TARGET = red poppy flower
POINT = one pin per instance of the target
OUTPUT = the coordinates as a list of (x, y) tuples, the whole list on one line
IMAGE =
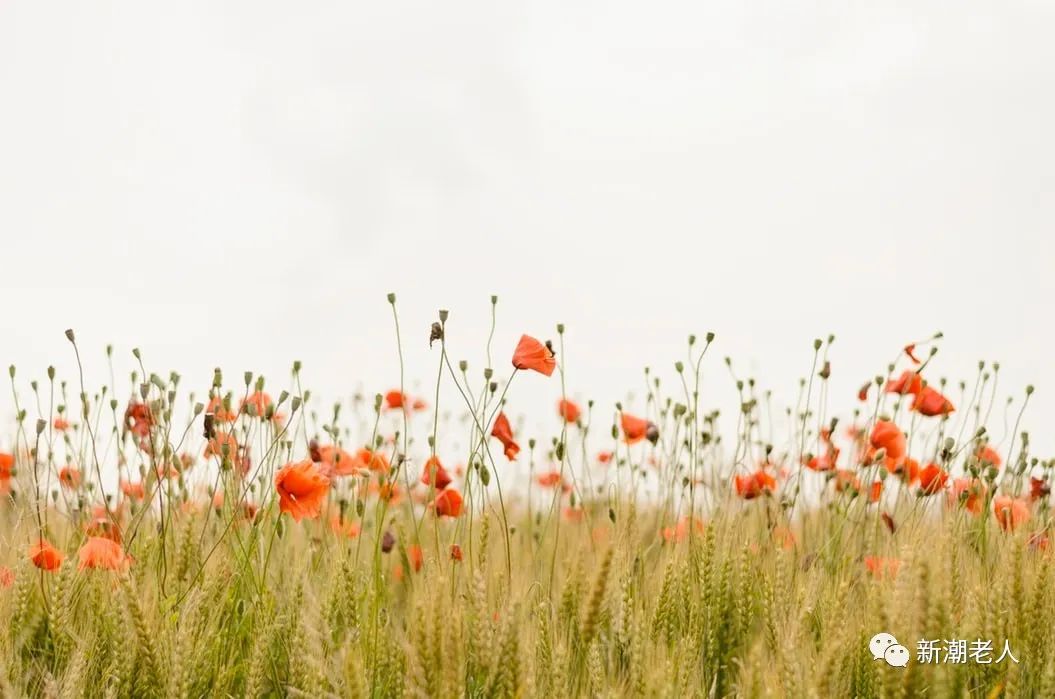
[(875, 491), (568, 410), (302, 488), (503, 432), (45, 556), (7, 465), (932, 479), (604, 457), (344, 527), (132, 490), (434, 474), (7, 577), (337, 462), (394, 400), (906, 469), (886, 435), (456, 553), (60, 424), (259, 401), (1010, 512), (532, 354), (970, 492), (755, 484), (215, 446), (70, 477), (1039, 488), (910, 382), (102, 553), (862, 393), (681, 531), (551, 479), (138, 419), (448, 503), (930, 402), (882, 568), (986, 454), (373, 460), (415, 556), (910, 351), (846, 479), (634, 428)]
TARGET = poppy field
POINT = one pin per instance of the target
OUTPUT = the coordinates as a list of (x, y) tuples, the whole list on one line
[(246, 539)]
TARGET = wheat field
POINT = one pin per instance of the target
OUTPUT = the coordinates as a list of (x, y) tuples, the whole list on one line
[(224, 541)]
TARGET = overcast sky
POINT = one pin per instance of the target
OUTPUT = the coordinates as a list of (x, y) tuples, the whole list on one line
[(241, 183)]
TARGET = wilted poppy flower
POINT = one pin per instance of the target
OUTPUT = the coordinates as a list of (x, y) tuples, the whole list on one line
[(910, 382), (910, 351), (987, 455), (102, 553), (1039, 488), (532, 354), (394, 400), (448, 503), (932, 479), (70, 477), (634, 428), (60, 424), (138, 419), (132, 490), (970, 492), (862, 393), (456, 553), (568, 410), (1010, 512), (882, 568), (886, 435), (503, 432), (302, 488), (388, 540), (45, 556), (434, 475), (930, 402), (755, 484)]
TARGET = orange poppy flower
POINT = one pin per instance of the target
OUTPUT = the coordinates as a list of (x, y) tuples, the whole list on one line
[(259, 401), (419, 405), (932, 479), (503, 432), (394, 400), (448, 504), (910, 382), (136, 491), (434, 475), (906, 469), (785, 537), (875, 491), (845, 479), (7, 578), (930, 403), (568, 410), (415, 556), (101, 553), (882, 568), (532, 354), (301, 488), (45, 556), (215, 445), (70, 477), (218, 411), (986, 454), (634, 428), (604, 457), (886, 435), (1010, 512), (573, 514), (680, 532), (348, 528), (60, 424), (552, 479), (970, 492), (337, 462), (7, 465), (755, 484), (373, 460)]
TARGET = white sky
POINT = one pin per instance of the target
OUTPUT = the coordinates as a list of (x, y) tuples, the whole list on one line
[(241, 183)]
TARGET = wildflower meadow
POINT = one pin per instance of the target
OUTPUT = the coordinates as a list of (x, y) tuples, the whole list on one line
[(242, 537)]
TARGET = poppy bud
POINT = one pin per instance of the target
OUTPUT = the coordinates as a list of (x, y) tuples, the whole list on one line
[(710, 337), (692, 340), (560, 328), (817, 344), (493, 386), (296, 366), (41, 424), (485, 475), (387, 541), (295, 403), (463, 365), (494, 299), (488, 373), (679, 367), (113, 404), (1029, 390), (51, 373)]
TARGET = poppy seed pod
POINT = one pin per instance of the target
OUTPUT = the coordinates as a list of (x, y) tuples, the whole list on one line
[(69, 335), (443, 315), (652, 433)]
